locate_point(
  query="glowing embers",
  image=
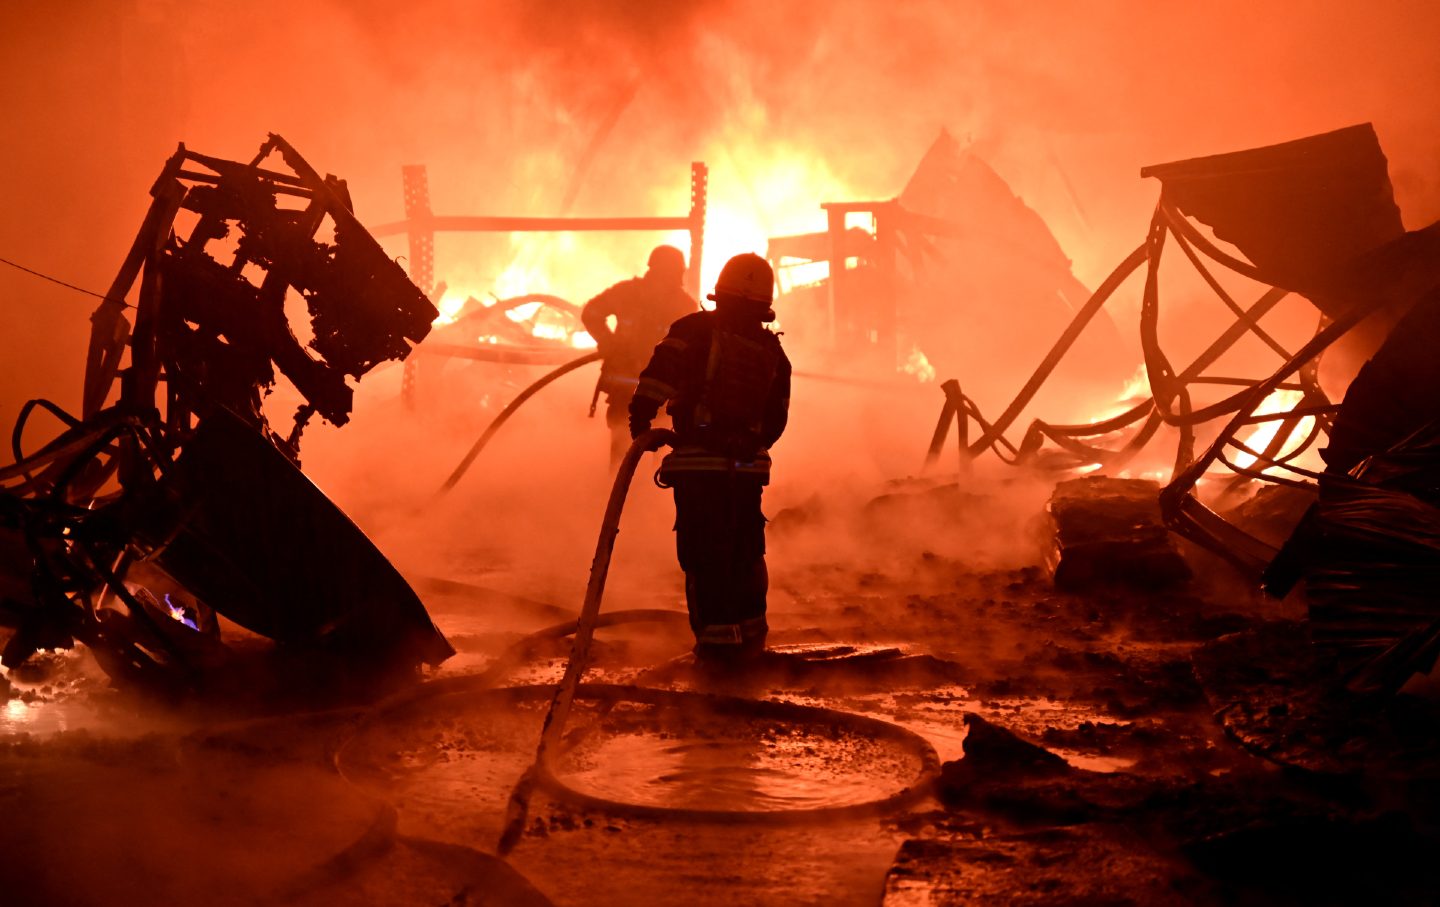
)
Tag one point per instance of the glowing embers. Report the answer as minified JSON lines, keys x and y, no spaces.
{"x":161,"y":618}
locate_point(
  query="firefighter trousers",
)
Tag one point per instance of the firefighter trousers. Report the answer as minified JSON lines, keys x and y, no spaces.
{"x":720,"y":540}
{"x":617,"y":420}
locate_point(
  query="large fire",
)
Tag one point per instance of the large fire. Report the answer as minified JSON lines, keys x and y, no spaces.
{"x":1279,"y":401}
{"x":756,"y":191}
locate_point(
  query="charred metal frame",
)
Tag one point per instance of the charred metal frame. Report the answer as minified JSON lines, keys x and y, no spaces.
{"x":1170,"y":397}
{"x":182,"y":469}
{"x":1315,"y":216}
{"x":421,"y":224}
{"x":898,"y":232}
{"x":896,"y":229}
{"x":882,"y":256}
{"x":364,"y":309}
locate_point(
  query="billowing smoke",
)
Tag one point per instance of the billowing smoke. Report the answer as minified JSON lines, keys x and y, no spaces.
{"x":599,"y":107}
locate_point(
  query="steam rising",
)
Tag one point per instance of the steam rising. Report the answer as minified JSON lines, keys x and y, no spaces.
{"x":525,"y":108}
{"x":598,"y":108}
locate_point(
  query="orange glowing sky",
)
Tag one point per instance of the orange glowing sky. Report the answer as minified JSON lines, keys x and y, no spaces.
{"x":790,"y":104}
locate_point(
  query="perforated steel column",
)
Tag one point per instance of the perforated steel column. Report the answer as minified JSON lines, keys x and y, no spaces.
{"x":422,"y":257}
{"x":699,"y":194}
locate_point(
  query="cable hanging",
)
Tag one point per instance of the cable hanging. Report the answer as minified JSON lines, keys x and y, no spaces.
{"x":68,"y":286}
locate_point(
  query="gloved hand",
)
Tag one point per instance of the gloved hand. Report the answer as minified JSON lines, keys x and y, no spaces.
{"x":638,"y":427}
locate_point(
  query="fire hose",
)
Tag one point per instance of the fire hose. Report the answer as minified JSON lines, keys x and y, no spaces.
{"x":383,"y":831}
{"x":509,"y":411}
{"x":540,"y":775}
{"x":559,"y":711}
{"x":499,"y":356}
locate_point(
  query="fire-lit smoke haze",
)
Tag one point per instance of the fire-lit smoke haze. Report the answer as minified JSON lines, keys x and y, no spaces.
{"x":599,"y":108}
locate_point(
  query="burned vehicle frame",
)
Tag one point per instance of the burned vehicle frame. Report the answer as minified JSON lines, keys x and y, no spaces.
{"x":175,"y":501}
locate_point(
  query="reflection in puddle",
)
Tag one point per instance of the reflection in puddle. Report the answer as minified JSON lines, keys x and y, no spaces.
{"x":674,"y":755}
{"x":1095,"y":763}
{"x":41,"y":717}
{"x":66,"y":691}
{"x":733,"y":764}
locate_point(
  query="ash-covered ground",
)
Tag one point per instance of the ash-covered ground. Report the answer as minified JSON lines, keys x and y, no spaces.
{"x":1120,"y":745}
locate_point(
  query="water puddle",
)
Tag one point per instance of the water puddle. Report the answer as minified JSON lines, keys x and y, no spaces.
{"x":685,"y":758}
{"x":677,"y":752}
{"x":58,"y":691}
{"x":42,"y":718}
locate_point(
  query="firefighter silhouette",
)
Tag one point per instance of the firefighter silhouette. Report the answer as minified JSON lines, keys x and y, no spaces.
{"x":643,"y":308}
{"x":727,"y":384}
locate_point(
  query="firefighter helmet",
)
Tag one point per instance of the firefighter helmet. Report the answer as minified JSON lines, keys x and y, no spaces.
{"x":667,"y":261}
{"x":746,"y":276}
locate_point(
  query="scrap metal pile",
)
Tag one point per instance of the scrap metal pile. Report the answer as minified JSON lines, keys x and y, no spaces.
{"x":177,"y":500}
{"x":1315,"y":217}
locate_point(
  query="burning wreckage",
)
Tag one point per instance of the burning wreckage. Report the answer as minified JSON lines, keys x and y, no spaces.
{"x":170,"y":499}
{"x":1360,"y":532}
{"x":150,"y":515}
{"x":1315,"y":218}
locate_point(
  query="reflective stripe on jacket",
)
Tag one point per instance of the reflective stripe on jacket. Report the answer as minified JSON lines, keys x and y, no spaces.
{"x":689,"y":459}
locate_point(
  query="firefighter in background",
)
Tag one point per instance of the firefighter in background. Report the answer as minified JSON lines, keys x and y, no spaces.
{"x":643,"y":307}
{"x":727,"y":382}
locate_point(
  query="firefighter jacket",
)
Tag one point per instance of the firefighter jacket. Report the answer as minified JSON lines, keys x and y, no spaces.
{"x":643,"y":309}
{"x":727,"y":382}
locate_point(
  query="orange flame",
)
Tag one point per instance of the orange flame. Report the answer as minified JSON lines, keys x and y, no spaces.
{"x":1279,"y":401}
{"x":757,"y":190}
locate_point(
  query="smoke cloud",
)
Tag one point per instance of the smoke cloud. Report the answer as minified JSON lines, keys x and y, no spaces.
{"x":790,"y":104}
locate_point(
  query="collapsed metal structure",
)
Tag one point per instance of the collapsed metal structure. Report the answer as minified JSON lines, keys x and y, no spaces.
{"x":1314,"y":217}
{"x":176,"y":500}
{"x":952,"y":267}
{"x":861,"y":304}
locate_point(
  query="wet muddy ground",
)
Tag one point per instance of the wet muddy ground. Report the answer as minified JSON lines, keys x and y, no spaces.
{"x":1118,"y":746}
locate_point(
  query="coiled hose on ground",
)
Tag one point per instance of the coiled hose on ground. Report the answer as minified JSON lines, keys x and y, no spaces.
{"x":559,"y":711}
{"x":382,"y":832}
